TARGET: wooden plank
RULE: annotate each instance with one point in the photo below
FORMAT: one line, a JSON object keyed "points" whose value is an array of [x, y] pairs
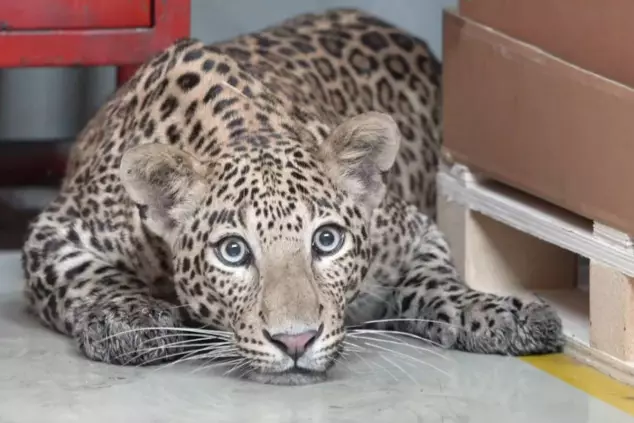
{"points": [[496, 258], [611, 312], [613, 236], [534, 217]]}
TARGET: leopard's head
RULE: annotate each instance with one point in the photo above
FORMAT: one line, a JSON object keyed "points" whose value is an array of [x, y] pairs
{"points": [[270, 240]]}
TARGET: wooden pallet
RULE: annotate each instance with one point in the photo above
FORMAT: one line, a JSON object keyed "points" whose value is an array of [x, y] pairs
{"points": [[507, 242]]}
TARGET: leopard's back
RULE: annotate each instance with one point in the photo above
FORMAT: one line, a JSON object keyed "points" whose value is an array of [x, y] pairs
{"points": [[346, 62]]}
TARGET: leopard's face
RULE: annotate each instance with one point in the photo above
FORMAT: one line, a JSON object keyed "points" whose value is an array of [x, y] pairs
{"points": [[275, 268], [270, 243]]}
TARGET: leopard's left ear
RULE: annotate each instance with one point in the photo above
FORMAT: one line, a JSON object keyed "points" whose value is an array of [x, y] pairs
{"points": [[359, 151], [165, 180]]}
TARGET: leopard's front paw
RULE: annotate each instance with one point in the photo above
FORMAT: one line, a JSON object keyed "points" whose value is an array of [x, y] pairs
{"points": [[511, 326], [540, 329], [133, 333]]}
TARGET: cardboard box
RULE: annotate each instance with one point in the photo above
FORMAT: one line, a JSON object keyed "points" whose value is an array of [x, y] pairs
{"points": [[595, 35], [538, 123]]}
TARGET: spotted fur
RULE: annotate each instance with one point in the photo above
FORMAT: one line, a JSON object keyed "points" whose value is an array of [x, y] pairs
{"points": [[326, 119]]}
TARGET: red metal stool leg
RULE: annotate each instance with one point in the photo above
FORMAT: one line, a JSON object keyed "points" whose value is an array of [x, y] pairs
{"points": [[125, 72]]}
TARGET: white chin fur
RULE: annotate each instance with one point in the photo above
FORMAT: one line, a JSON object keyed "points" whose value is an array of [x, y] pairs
{"points": [[288, 378]]}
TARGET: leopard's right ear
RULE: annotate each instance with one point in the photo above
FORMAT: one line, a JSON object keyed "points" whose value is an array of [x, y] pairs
{"points": [[164, 179], [358, 151]]}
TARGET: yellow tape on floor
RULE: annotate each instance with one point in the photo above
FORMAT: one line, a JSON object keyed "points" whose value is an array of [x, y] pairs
{"points": [[586, 379]]}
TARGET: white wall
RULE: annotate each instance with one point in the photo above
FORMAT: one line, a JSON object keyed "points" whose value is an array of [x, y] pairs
{"points": [[55, 103]]}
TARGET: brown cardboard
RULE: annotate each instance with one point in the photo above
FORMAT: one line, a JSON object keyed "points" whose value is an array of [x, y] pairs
{"points": [[597, 35], [538, 123]]}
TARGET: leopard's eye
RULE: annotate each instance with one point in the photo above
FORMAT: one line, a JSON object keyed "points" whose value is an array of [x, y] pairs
{"points": [[327, 240], [233, 251]]}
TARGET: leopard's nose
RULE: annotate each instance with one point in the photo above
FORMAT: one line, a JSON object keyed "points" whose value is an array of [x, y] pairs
{"points": [[294, 345]]}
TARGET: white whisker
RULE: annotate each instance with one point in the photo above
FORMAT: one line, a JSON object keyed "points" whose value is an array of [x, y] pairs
{"points": [[243, 363], [407, 356], [188, 343], [218, 363], [164, 357], [386, 331], [399, 368], [405, 344], [372, 366], [180, 345], [352, 346], [199, 354], [411, 320], [177, 330]]}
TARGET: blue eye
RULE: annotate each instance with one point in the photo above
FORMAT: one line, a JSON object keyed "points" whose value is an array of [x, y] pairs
{"points": [[233, 251], [327, 240]]}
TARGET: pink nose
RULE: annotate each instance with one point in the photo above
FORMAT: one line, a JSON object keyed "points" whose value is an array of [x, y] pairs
{"points": [[294, 345]]}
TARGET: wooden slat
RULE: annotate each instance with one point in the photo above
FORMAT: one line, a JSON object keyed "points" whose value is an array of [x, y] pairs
{"points": [[537, 218], [611, 311]]}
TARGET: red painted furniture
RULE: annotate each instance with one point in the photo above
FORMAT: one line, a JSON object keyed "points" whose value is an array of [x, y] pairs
{"points": [[122, 33]]}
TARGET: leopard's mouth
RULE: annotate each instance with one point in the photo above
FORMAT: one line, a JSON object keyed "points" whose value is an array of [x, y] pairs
{"points": [[283, 368]]}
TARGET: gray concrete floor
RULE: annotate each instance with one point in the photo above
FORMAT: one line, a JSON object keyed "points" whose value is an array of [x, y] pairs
{"points": [[42, 379]]}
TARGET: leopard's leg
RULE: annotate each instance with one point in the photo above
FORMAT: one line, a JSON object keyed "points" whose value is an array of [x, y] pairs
{"points": [[432, 301], [72, 287]]}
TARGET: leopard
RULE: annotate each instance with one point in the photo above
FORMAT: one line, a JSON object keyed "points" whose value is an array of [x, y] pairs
{"points": [[277, 188]]}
